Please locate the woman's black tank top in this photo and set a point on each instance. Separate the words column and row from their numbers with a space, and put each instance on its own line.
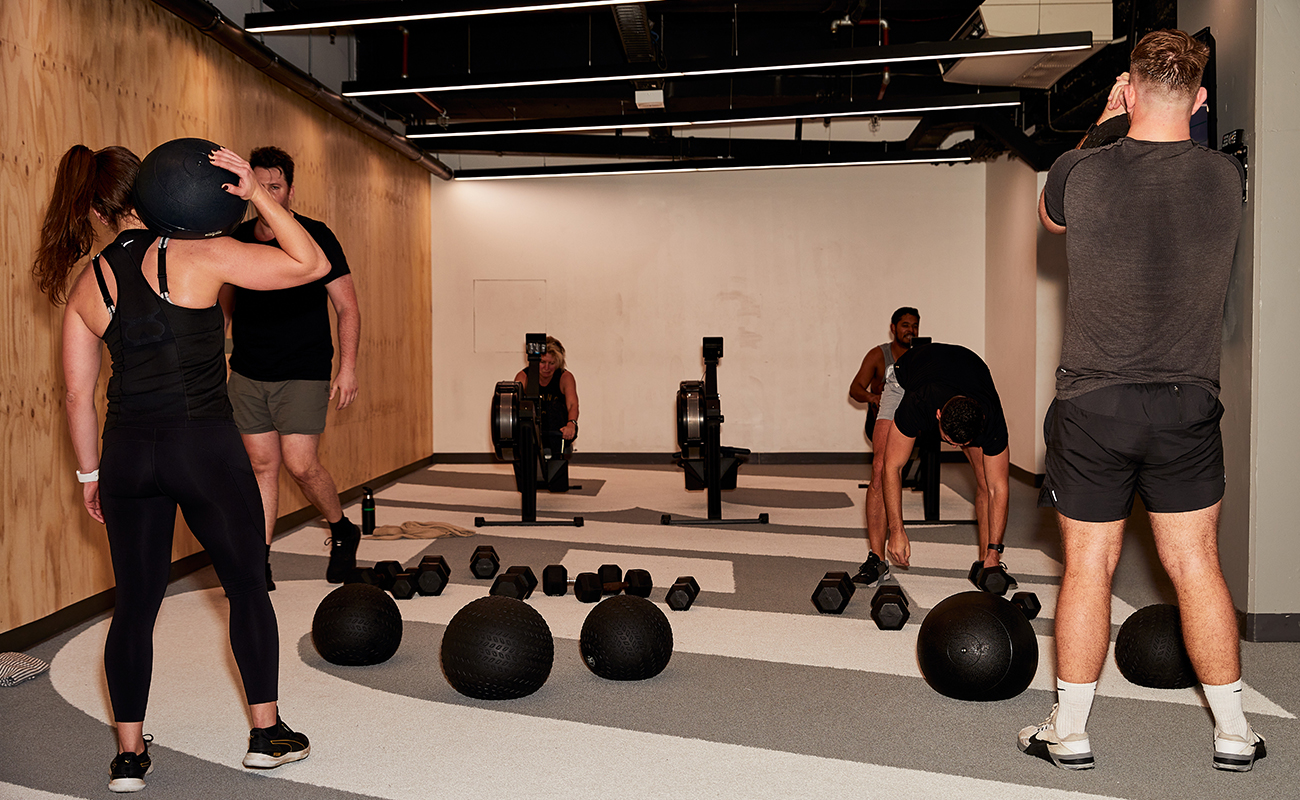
column 168, row 361
column 553, row 406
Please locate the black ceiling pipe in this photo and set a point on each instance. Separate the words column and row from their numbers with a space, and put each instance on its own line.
column 209, row 20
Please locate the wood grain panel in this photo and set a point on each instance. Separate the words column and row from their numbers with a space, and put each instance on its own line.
column 102, row 72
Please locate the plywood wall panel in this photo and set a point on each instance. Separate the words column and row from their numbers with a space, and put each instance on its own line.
column 127, row 72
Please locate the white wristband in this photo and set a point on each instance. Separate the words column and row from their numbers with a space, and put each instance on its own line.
column 87, row 477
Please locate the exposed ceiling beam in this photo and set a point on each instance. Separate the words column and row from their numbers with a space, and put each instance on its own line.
column 713, row 165
column 360, row 14
column 846, row 58
column 899, row 106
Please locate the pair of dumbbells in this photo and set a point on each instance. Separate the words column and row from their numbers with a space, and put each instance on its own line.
column 428, row 578
column 889, row 606
column 590, row 587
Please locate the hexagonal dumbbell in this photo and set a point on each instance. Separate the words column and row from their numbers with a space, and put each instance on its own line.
column 588, row 588
column 611, row 578
column 555, row 580
column 386, row 572
column 1028, row 603
column 431, row 575
column 889, row 607
column 404, row 585
column 639, row 582
column 515, row 583
column 992, row 580
column 484, row 563
column 682, row 593
column 833, row 593
column 530, row 580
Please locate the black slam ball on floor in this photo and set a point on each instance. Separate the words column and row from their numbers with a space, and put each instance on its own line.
column 977, row 646
column 1149, row 649
column 356, row 625
column 497, row 648
column 178, row 192
column 626, row 638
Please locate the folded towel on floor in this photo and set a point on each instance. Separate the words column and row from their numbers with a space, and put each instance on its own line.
column 18, row 667
column 419, row 530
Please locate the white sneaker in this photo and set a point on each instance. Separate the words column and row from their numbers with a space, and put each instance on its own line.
column 1235, row 753
column 1068, row 752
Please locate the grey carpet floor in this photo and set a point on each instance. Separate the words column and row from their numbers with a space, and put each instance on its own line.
column 763, row 696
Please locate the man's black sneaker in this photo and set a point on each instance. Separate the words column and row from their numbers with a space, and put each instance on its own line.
column 126, row 773
column 872, row 571
column 343, row 551
column 270, row 747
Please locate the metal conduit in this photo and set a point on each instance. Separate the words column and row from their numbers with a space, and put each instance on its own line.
column 208, row 19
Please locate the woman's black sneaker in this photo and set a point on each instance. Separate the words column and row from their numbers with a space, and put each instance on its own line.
column 126, row 773
column 270, row 747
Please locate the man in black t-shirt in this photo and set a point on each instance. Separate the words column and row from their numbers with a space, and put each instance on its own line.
column 281, row 364
column 1151, row 224
column 949, row 389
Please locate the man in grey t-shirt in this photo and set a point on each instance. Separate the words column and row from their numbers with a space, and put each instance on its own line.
column 1151, row 224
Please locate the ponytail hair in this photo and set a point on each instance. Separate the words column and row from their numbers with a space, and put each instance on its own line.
column 86, row 181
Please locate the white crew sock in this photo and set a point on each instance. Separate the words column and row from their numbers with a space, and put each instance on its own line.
column 1225, row 705
column 1073, row 702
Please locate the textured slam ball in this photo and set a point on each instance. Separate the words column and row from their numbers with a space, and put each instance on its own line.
column 626, row 638
column 497, row 648
column 977, row 646
column 1149, row 649
column 178, row 192
column 356, row 625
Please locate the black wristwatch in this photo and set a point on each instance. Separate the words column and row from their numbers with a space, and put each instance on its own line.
column 999, row 547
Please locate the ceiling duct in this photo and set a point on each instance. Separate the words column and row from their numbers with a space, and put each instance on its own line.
column 634, row 31
column 1000, row 18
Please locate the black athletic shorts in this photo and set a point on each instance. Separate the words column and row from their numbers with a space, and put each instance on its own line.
column 1160, row 440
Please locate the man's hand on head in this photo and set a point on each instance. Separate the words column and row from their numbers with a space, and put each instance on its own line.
column 1115, row 103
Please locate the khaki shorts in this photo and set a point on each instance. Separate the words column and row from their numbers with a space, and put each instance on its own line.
column 288, row 407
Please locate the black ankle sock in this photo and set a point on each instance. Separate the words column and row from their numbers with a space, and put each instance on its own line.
column 341, row 527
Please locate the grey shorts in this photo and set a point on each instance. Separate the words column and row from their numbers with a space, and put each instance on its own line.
column 890, row 397
column 288, row 407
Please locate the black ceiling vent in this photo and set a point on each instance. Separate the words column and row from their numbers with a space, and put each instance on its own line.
column 634, row 31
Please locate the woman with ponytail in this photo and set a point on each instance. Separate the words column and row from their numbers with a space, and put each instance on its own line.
column 169, row 439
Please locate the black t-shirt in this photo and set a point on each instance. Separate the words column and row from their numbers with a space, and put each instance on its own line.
column 933, row 374
column 284, row 334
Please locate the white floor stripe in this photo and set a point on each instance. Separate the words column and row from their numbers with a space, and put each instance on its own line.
column 718, row 576
column 12, row 791
column 198, row 711
column 693, row 538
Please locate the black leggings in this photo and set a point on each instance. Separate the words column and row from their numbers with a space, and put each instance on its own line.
column 202, row 467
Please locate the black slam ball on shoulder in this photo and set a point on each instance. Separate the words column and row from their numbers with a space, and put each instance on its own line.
column 1149, row 649
column 626, row 638
column 178, row 192
column 497, row 648
column 977, row 646
column 357, row 625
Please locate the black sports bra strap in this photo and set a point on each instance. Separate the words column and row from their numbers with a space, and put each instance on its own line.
column 103, row 287
column 162, row 269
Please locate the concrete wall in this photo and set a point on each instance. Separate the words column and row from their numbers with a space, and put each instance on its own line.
column 798, row 270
